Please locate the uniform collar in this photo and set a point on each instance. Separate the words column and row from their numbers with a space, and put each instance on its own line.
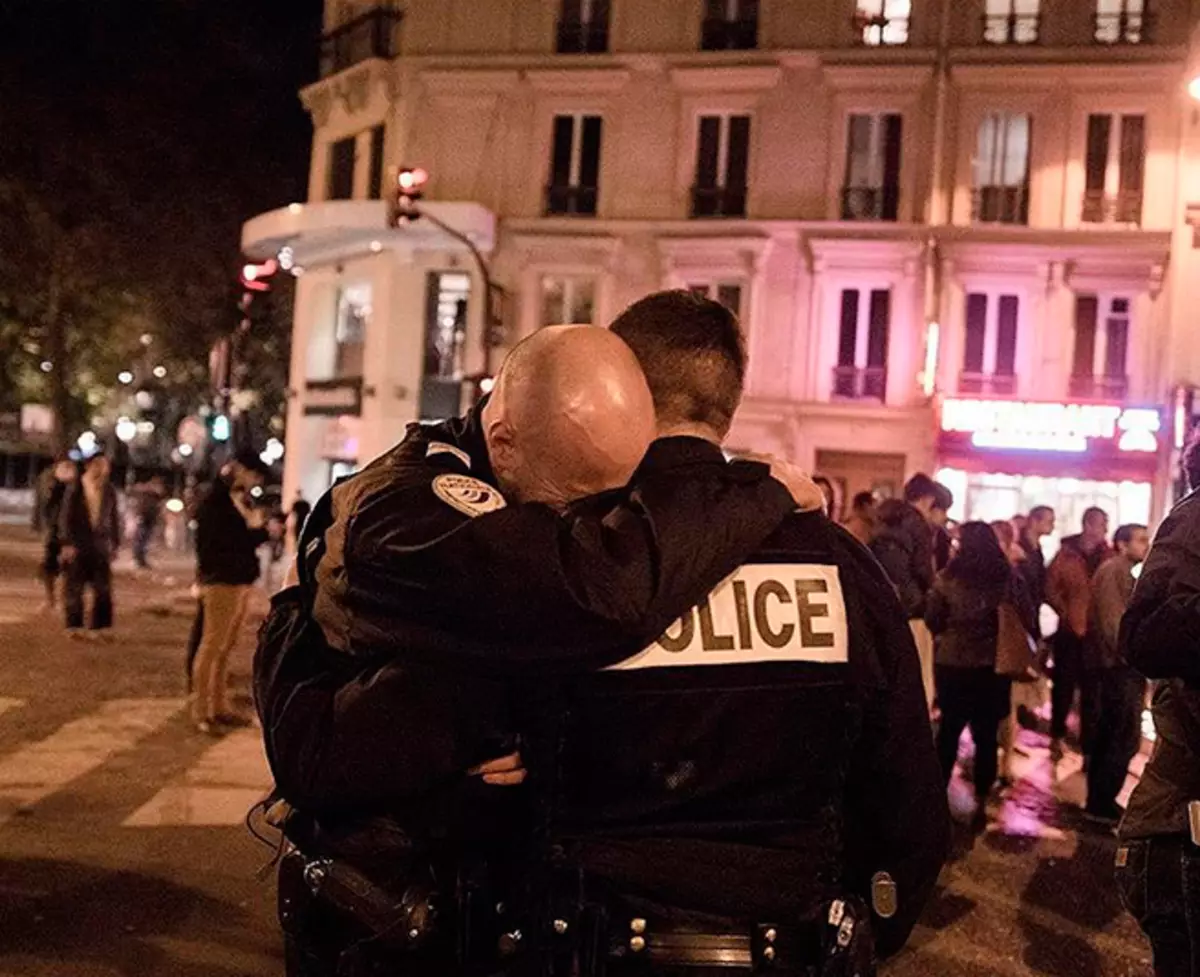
column 466, row 433
column 678, row 451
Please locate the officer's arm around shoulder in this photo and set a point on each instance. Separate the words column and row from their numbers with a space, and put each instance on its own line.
column 601, row 579
column 1160, row 631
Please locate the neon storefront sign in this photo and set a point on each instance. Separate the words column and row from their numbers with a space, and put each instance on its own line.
column 1072, row 428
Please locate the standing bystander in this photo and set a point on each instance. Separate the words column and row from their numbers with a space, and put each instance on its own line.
column 89, row 528
column 147, row 498
column 862, row 520
column 1038, row 525
column 62, row 475
column 1069, row 592
column 1116, row 689
column 229, row 531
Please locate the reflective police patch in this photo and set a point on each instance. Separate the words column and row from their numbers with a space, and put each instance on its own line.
column 467, row 494
column 441, row 448
column 765, row 612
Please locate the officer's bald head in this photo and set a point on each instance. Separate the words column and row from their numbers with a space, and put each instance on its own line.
column 571, row 415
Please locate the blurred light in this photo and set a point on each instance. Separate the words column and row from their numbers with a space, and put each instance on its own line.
column 411, row 179
column 175, row 505
column 256, row 492
column 297, row 271
column 287, row 258
column 126, row 429
column 87, row 442
column 273, row 451
column 185, row 450
column 144, row 399
column 145, row 427
column 220, row 428
column 160, row 372
column 1148, row 730
column 1193, row 88
column 147, row 339
column 376, row 247
column 47, row 366
column 295, row 208
column 487, row 384
column 125, row 377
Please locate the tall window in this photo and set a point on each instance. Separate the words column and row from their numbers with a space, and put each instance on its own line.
column 375, row 179
column 350, row 329
column 1001, row 170
column 574, row 165
column 1011, row 21
column 872, row 187
column 568, row 301
column 446, row 305
column 883, row 21
column 583, row 27
column 729, row 294
column 340, row 185
column 990, row 350
column 861, row 371
column 1120, row 21
column 730, row 25
column 1099, row 370
column 722, row 158
column 1115, row 168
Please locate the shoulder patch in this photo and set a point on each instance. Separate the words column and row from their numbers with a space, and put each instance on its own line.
column 468, row 495
column 441, row 448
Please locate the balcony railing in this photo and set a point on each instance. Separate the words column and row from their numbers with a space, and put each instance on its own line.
column 1124, row 207
column 990, row 384
column 1099, row 388
column 571, row 200
column 582, row 37
column 870, row 203
column 1126, row 27
column 860, row 382
column 875, row 29
column 1000, row 205
column 718, row 201
column 718, row 34
column 370, row 35
column 1010, row 28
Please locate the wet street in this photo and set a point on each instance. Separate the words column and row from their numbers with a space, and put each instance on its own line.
column 123, row 852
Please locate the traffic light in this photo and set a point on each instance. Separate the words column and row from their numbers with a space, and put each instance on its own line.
column 406, row 196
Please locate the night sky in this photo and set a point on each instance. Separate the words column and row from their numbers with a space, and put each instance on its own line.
column 175, row 120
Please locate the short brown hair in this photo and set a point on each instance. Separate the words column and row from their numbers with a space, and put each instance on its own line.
column 693, row 354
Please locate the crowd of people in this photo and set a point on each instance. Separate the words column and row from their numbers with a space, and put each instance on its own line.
column 974, row 593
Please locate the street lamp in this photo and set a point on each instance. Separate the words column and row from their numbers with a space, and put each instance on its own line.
column 126, row 430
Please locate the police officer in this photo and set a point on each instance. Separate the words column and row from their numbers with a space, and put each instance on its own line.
column 373, row 712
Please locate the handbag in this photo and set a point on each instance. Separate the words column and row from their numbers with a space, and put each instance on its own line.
column 1016, row 651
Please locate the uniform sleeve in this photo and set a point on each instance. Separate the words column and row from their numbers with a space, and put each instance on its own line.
column 583, row 589
column 1159, row 634
column 897, row 818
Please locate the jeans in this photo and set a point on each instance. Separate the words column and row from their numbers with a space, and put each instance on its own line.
column 224, row 611
column 975, row 697
column 1117, row 733
column 141, row 541
column 1159, row 883
column 1067, row 677
column 89, row 568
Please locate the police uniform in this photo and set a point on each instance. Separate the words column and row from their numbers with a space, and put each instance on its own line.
column 762, row 765
column 382, row 678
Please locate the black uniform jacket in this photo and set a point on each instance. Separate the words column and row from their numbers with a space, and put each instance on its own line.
column 771, row 748
column 1160, row 637
column 430, row 591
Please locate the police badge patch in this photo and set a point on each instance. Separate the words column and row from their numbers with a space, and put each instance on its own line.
column 468, row 495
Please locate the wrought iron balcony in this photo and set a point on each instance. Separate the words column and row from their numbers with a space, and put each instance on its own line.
column 582, row 37
column 374, row 34
column 1124, row 207
column 718, row 34
column 870, row 203
column 989, row 384
column 860, row 382
column 1099, row 388
column 1126, row 27
column 1000, row 205
column 876, row 30
column 1010, row 28
column 718, row 201
column 571, row 200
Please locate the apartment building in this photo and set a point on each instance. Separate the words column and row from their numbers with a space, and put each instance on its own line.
column 956, row 231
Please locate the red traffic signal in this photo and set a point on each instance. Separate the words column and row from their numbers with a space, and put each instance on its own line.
column 255, row 277
column 407, row 196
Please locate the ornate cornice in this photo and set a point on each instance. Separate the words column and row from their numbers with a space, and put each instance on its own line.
column 350, row 88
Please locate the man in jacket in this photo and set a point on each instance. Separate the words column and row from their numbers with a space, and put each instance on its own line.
column 1158, row 862
column 89, row 528
column 903, row 544
column 1038, row 525
column 1069, row 592
column 1117, row 690
column 229, row 530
